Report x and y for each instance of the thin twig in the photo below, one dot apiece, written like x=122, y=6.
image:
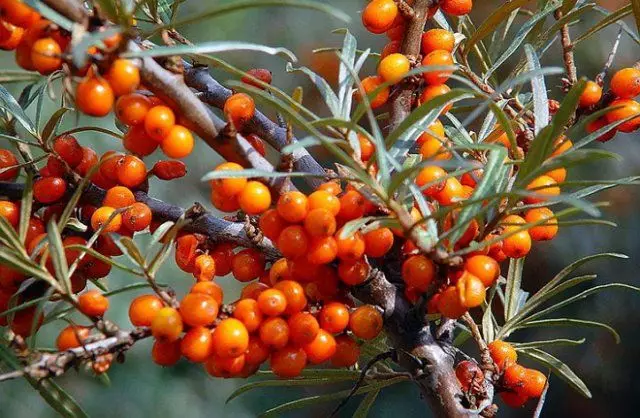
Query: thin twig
x=567, y=52
x=607, y=66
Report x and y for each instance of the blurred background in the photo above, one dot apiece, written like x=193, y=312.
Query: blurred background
x=139, y=388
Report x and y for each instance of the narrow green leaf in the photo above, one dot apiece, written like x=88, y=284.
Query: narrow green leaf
x=547, y=343
x=366, y=404
x=213, y=47
x=129, y=247
x=570, y=322
x=513, y=289
x=9, y=103
x=109, y=260
x=9, y=236
x=559, y=369
x=345, y=81
x=539, y=89
x=621, y=13
x=329, y=97
x=354, y=226
x=288, y=383
x=25, y=207
x=57, y=254
x=75, y=197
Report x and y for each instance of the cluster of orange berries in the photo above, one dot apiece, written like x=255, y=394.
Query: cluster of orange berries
x=625, y=86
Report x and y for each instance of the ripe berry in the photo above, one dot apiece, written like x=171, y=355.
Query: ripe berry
x=49, y=189
x=534, y=383
x=379, y=15
x=246, y=311
x=131, y=171
x=352, y=205
x=178, y=143
x=516, y=245
x=45, y=56
x=351, y=247
x=334, y=317
x=456, y=7
x=239, y=108
x=321, y=349
x=513, y=377
x=418, y=272
x=67, y=147
x=439, y=57
x=294, y=295
x=137, y=217
x=94, y=96
x=10, y=36
x=247, y=265
x=514, y=399
x=591, y=94
x=255, y=198
x=293, y=242
x=167, y=325
x=437, y=39
x=274, y=333
x=393, y=47
x=124, y=77
x=378, y=242
x=322, y=250
x=288, y=362
x=143, y=309
x=93, y=303
x=541, y=188
x=371, y=84
x=131, y=109
x=393, y=68
x=209, y=288
x=625, y=83
x=469, y=375
x=332, y=187
x=471, y=291
x=293, y=207
x=224, y=203
x=23, y=322
x=18, y=13
x=229, y=186
x=598, y=124
x=138, y=142
x=448, y=303
x=435, y=149
x=222, y=254
x=197, y=344
x=272, y=302
x=347, y=352
x=261, y=74
x=353, y=273
x=433, y=91
x=502, y=353
x=158, y=122
x=366, y=322
x=166, y=353
x=545, y=231
x=430, y=180
x=198, y=309
x=119, y=197
x=627, y=108
x=10, y=212
x=100, y=219
x=484, y=268
x=71, y=336
x=303, y=328
x=7, y=159
x=204, y=268
x=225, y=367
x=257, y=352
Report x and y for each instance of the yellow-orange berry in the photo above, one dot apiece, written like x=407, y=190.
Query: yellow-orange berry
x=545, y=231
x=591, y=94
x=366, y=322
x=393, y=67
x=369, y=85
x=93, y=303
x=437, y=39
x=255, y=198
x=379, y=15
x=625, y=83
x=100, y=219
x=439, y=57
x=230, y=338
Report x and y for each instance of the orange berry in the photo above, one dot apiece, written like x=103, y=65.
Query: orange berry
x=429, y=179
x=10, y=212
x=7, y=159
x=517, y=245
x=137, y=217
x=93, y=303
x=274, y=333
x=94, y=96
x=222, y=254
x=353, y=273
x=471, y=291
x=295, y=297
x=124, y=76
x=534, y=383
x=144, y=309
x=198, y=309
x=393, y=47
x=224, y=203
x=225, y=367
x=10, y=36
x=545, y=231
x=322, y=250
x=378, y=242
x=369, y=85
x=178, y=143
x=320, y=222
x=257, y=352
x=49, y=189
x=351, y=247
x=321, y=349
x=247, y=311
x=288, y=362
x=279, y=271
x=393, y=68
x=132, y=109
x=484, y=268
x=271, y=224
x=366, y=322
x=131, y=171
x=197, y=344
x=418, y=272
x=379, y=15
x=303, y=328
x=559, y=174
x=469, y=374
x=625, y=83
x=502, y=353
x=433, y=91
x=352, y=205
x=45, y=56
x=229, y=186
x=209, y=288
x=456, y=7
x=437, y=39
x=119, y=197
x=293, y=207
x=230, y=338
x=347, y=352
x=239, y=109
x=247, y=265
x=367, y=148
x=435, y=149
x=334, y=317
x=629, y=108
x=452, y=192
x=255, y=198
x=71, y=336
x=513, y=377
x=590, y=95
x=293, y=242
x=261, y=74
x=204, y=268
x=448, y=303
x=439, y=57
x=166, y=353
x=18, y=13
x=100, y=219
x=272, y=302
x=436, y=128
x=542, y=187
x=513, y=399
x=331, y=187
x=159, y=121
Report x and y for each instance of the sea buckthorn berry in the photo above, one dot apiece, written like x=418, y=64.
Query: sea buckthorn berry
x=628, y=109
x=294, y=296
x=456, y=7
x=366, y=322
x=94, y=96
x=261, y=74
x=119, y=197
x=186, y=252
x=279, y=271
x=293, y=207
x=197, y=344
x=222, y=254
x=513, y=377
x=109, y=165
x=322, y=250
x=598, y=124
x=514, y=399
x=469, y=375
x=534, y=383
x=247, y=265
x=320, y=223
x=431, y=180
x=124, y=76
x=321, y=349
x=143, y=309
x=274, y=332
x=542, y=187
x=158, y=122
x=7, y=159
x=209, y=288
x=371, y=84
x=502, y=353
x=322, y=199
x=204, y=268
x=303, y=271
x=252, y=290
x=49, y=189
x=10, y=212
x=257, y=352
x=54, y=168
x=591, y=94
x=35, y=228
x=351, y=247
x=178, y=143
x=137, y=217
x=169, y=170
x=352, y=205
x=452, y=192
x=378, y=242
x=303, y=328
x=379, y=15
x=561, y=145
x=334, y=317
x=438, y=57
x=100, y=219
x=545, y=231
x=449, y=305
x=229, y=186
x=93, y=303
x=68, y=148
x=272, y=302
x=347, y=352
x=71, y=336
x=332, y=187
x=288, y=362
x=225, y=367
x=10, y=36
x=293, y=242
x=255, y=198
x=418, y=272
x=96, y=269
x=132, y=109
x=517, y=244
x=354, y=272
x=23, y=55
x=224, y=203
x=484, y=268
x=435, y=149
x=167, y=325
x=432, y=91
x=18, y=13
x=393, y=68
x=559, y=174
x=625, y=83
x=230, y=338
x=131, y=171
x=437, y=39
x=247, y=311
x=257, y=143
x=22, y=322
x=367, y=148
x=198, y=309
x=239, y=108
x=138, y=142
x=393, y=47
x=471, y=291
